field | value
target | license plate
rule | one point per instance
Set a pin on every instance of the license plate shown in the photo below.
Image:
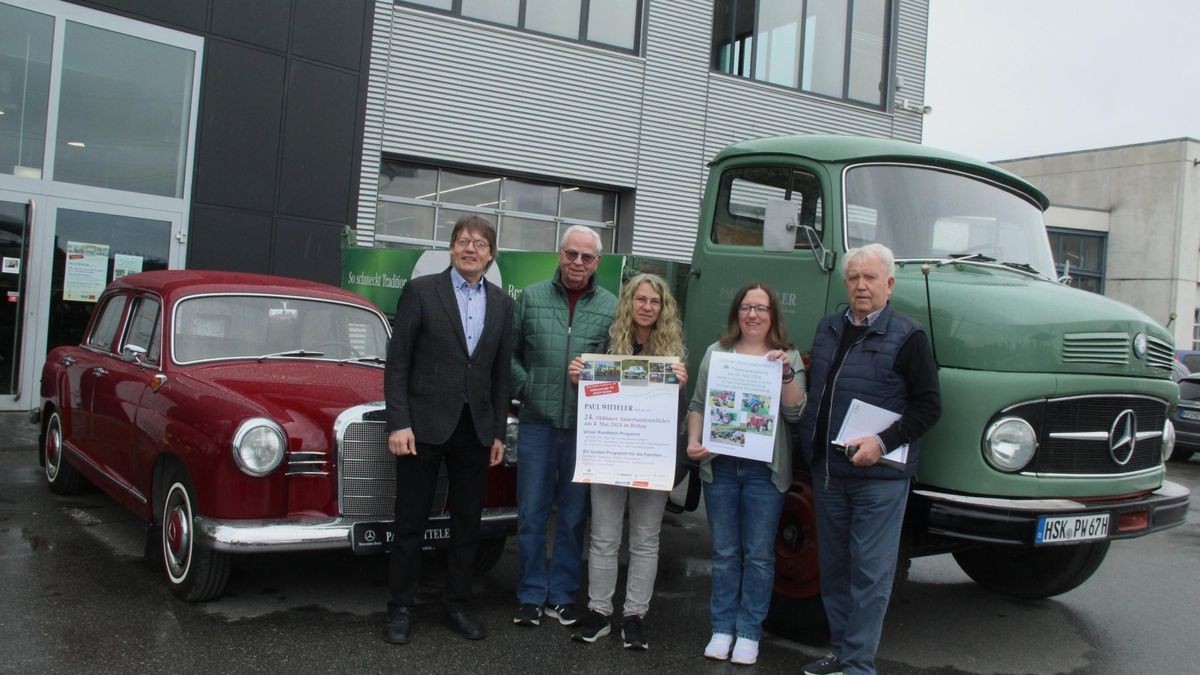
(1190, 414)
(377, 537)
(1061, 529)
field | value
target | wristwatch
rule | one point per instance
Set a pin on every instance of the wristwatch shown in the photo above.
(789, 374)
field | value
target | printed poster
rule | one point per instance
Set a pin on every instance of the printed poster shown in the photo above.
(628, 421)
(125, 264)
(87, 271)
(742, 405)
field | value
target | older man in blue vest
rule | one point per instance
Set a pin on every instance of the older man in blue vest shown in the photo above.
(878, 356)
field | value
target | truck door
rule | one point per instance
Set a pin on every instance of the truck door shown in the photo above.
(731, 249)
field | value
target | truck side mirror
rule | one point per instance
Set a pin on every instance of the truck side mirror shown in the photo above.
(780, 224)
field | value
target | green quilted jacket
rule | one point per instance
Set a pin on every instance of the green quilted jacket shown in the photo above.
(546, 339)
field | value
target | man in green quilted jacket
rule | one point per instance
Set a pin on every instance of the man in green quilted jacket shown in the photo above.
(555, 321)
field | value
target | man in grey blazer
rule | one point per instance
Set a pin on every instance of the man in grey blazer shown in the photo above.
(446, 388)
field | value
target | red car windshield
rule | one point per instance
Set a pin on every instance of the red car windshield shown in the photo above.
(217, 327)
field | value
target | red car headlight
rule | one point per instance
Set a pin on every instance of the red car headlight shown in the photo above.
(258, 446)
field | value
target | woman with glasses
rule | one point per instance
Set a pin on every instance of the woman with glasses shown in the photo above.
(743, 497)
(646, 323)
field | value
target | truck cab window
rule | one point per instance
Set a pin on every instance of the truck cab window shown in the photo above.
(742, 202)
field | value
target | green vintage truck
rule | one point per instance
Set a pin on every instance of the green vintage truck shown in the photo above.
(1056, 401)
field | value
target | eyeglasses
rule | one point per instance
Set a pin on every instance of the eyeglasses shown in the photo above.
(480, 244)
(644, 300)
(759, 309)
(572, 254)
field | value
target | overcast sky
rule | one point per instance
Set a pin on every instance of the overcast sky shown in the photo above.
(1015, 78)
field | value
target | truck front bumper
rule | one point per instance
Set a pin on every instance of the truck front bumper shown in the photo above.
(1015, 521)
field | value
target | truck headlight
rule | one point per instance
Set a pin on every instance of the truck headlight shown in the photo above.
(1168, 440)
(1009, 444)
(510, 442)
(258, 446)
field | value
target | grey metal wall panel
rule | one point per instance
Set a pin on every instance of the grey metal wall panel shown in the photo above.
(377, 84)
(670, 153)
(460, 91)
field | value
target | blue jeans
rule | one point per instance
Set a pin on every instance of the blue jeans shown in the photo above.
(858, 537)
(545, 465)
(743, 514)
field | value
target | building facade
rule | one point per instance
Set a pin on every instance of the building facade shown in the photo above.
(265, 136)
(606, 112)
(1125, 222)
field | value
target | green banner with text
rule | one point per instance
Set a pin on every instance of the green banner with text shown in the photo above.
(379, 274)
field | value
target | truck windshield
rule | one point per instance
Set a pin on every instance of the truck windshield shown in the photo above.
(923, 213)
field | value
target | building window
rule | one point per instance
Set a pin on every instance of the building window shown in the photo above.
(419, 204)
(607, 23)
(1080, 255)
(121, 104)
(836, 48)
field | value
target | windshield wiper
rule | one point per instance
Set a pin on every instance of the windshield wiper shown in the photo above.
(293, 352)
(963, 257)
(367, 359)
(1024, 267)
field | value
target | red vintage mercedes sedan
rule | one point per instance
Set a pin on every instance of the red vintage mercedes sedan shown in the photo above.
(236, 413)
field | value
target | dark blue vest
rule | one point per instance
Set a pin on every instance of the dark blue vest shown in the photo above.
(867, 374)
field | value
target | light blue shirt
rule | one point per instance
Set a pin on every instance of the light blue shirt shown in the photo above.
(472, 306)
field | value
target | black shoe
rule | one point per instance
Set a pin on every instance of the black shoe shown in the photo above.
(593, 627)
(826, 665)
(465, 625)
(398, 626)
(566, 614)
(632, 635)
(527, 614)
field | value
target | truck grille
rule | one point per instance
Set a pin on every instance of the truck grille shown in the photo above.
(1159, 354)
(1110, 348)
(367, 476)
(1078, 432)
(1114, 349)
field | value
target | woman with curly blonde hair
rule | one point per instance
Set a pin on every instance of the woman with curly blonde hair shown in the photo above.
(646, 323)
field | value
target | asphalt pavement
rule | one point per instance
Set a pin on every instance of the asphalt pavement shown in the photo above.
(76, 595)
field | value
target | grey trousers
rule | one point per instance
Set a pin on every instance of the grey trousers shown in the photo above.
(645, 523)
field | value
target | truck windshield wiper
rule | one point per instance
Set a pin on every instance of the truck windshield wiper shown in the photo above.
(364, 359)
(965, 257)
(1024, 267)
(293, 352)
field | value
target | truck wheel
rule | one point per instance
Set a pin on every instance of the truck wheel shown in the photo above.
(1031, 573)
(488, 554)
(61, 477)
(194, 573)
(797, 612)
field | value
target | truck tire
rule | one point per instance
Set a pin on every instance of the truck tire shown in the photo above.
(1181, 453)
(1031, 573)
(797, 612)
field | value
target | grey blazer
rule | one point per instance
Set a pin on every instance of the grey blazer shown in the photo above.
(429, 375)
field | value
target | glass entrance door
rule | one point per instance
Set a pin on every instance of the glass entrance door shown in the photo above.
(14, 251)
(58, 254)
(92, 249)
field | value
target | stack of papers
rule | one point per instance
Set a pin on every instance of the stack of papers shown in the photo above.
(864, 419)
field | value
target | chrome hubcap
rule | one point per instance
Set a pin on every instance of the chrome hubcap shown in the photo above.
(53, 449)
(177, 532)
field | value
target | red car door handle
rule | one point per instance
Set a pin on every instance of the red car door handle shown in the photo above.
(99, 372)
(67, 361)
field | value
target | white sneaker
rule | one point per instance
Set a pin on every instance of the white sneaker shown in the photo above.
(745, 652)
(718, 646)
